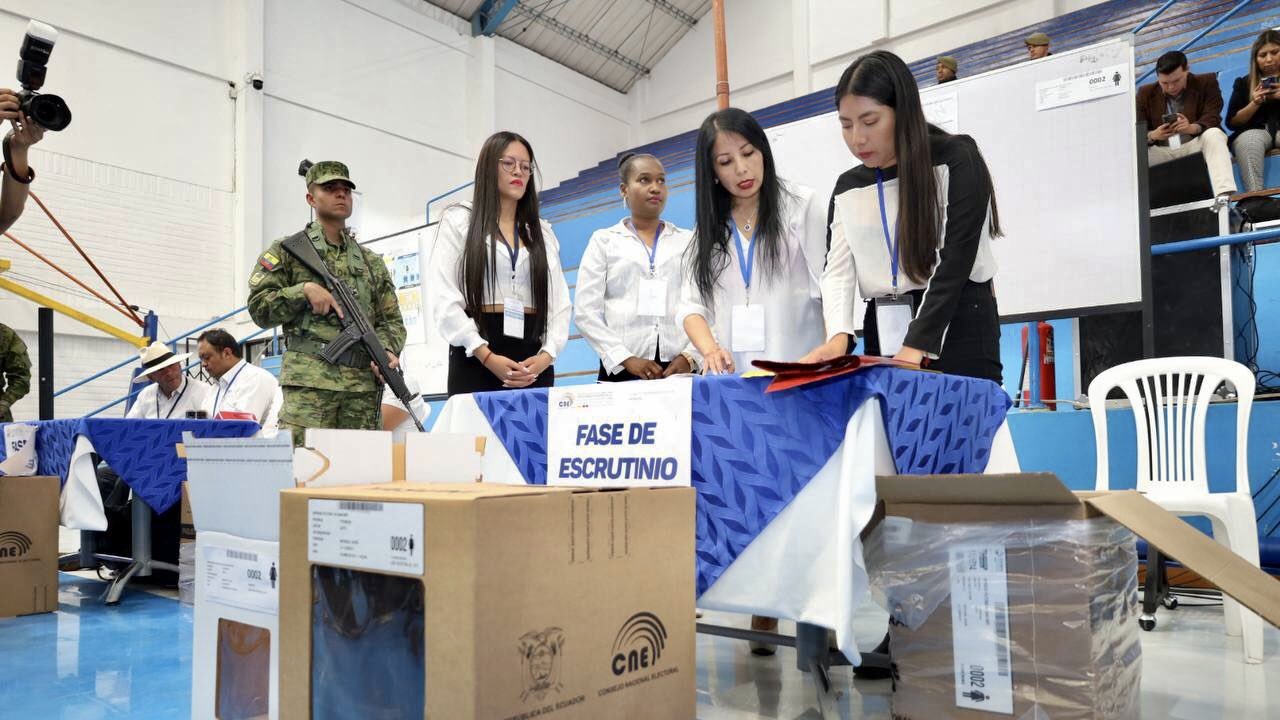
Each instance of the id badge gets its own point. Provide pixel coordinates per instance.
(653, 298)
(1175, 142)
(892, 318)
(747, 328)
(513, 318)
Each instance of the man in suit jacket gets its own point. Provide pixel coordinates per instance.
(1184, 114)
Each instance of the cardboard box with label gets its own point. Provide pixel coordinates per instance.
(487, 601)
(28, 545)
(1011, 596)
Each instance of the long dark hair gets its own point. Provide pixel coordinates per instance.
(885, 78)
(710, 254)
(1267, 36)
(480, 259)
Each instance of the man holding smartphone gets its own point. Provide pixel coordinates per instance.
(1184, 114)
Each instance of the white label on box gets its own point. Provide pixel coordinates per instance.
(365, 535)
(242, 578)
(980, 628)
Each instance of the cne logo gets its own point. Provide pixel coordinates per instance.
(14, 544)
(639, 643)
(566, 401)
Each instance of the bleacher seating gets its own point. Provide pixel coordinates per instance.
(1222, 51)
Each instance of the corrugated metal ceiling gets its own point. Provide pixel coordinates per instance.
(615, 42)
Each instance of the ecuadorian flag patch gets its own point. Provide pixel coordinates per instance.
(268, 261)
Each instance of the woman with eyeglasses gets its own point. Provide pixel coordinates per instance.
(629, 282)
(499, 296)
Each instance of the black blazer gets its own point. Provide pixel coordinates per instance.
(1270, 109)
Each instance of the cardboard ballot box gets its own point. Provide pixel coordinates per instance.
(28, 545)
(487, 601)
(1011, 596)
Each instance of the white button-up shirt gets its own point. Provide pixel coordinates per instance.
(247, 388)
(151, 403)
(792, 297)
(607, 301)
(450, 307)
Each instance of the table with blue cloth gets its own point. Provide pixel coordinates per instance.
(785, 480)
(142, 452)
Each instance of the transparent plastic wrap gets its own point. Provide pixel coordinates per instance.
(244, 671)
(1024, 619)
(187, 573)
(367, 645)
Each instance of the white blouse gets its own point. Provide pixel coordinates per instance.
(858, 263)
(792, 298)
(447, 301)
(608, 302)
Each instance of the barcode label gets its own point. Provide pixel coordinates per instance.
(980, 628)
(380, 536)
(248, 579)
(1001, 621)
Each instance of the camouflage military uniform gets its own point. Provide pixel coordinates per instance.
(15, 371)
(316, 393)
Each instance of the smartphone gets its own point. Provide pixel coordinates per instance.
(1268, 83)
(1170, 118)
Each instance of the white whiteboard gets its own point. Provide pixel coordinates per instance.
(1066, 178)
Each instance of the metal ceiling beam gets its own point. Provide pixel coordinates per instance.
(581, 38)
(490, 15)
(675, 12)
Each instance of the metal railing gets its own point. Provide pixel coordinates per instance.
(1142, 25)
(172, 343)
(1212, 26)
(185, 368)
(1215, 241)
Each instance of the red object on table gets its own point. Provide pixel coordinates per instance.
(789, 375)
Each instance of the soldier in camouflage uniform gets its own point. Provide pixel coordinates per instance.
(284, 292)
(15, 371)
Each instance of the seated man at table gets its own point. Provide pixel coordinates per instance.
(241, 387)
(171, 394)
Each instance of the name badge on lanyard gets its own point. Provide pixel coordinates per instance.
(747, 326)
(512, 306)
(652, 296)
(893, 313)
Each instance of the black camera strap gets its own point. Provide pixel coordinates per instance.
(8, 163)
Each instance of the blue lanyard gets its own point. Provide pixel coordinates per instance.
(175, 400)
(217, 397)
(890, 245)
(748, 264)
(653, 251)
(513, 250)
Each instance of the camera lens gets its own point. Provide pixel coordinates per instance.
(47, 111)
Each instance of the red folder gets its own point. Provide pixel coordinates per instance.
(787, 375)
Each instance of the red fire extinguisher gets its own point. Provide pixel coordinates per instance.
(1048, 384)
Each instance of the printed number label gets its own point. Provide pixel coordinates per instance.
(254, 574)
(400, 543)
(977, 678)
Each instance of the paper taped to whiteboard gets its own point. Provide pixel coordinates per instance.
(1082, 86)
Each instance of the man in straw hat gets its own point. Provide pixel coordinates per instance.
(172, 394)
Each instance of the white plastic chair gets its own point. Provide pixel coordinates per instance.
(1170, 400)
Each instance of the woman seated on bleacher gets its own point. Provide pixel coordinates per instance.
(1254, 110)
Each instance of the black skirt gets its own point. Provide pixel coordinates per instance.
(469, 375)
(972, 344)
